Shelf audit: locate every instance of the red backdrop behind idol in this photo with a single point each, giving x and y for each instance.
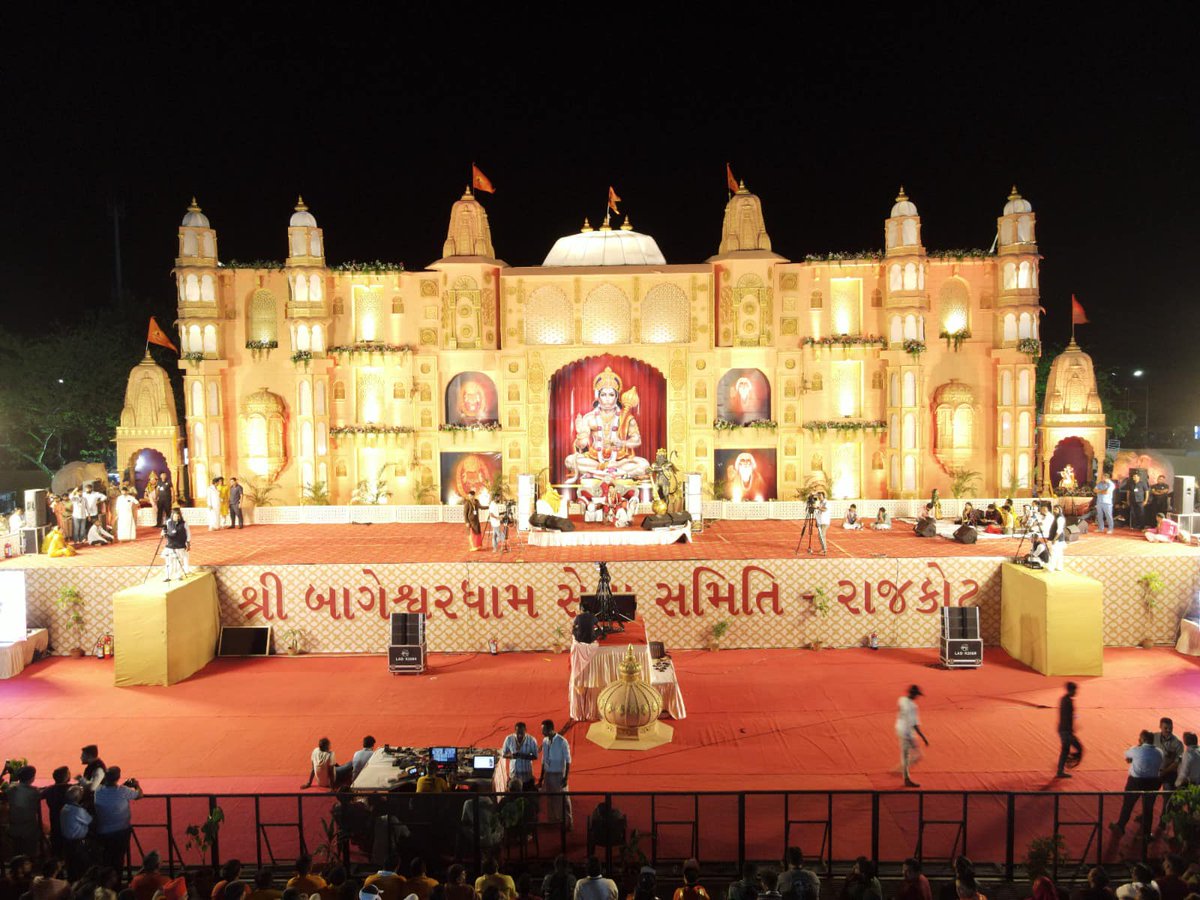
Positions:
(571, 395)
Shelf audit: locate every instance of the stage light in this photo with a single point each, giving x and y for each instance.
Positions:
(1138, 373)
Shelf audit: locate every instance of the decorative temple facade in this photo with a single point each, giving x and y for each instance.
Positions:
(881, 375)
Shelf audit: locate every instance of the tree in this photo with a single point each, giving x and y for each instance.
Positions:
(1120, 418)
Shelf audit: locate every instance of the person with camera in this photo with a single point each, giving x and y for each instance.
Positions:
(821, 520)
(113, 816)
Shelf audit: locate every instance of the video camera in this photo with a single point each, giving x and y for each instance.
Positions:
(810, 504)
(508, 516)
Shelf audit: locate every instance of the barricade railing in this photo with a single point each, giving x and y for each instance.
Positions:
(625, 828)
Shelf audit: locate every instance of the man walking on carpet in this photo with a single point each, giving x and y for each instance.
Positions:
(235, 504)
(908, 723)
(1066, 732)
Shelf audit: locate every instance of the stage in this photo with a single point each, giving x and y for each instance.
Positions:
(338, 583)
(757, 720)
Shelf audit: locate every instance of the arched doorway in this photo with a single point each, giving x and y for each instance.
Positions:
(1076, 453)
(572, 394)
(146, 461)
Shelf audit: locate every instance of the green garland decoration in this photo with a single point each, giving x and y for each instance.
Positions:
(875, 426)
(955, 338)
(762, 424)
(477, 426)
(914, 348)
(374, 267)
(1030, 346)
(845, 341)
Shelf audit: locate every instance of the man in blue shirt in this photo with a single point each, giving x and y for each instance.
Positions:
(74, 822)
(345, 774)
(1145, 764)
(113, 816)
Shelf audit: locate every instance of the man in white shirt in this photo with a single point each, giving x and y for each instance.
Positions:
(92, 499)
(495, 523)
(1058, 539)
(821, 520)
(908, 723)
(522, 748)
(1104, 503)
(595, 886)
(556, 769)
(1189, 765)
(1145, 763)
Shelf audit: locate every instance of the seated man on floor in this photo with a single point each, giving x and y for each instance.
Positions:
(1039, 553)
(883, 522)
(970, 515)
(850, 522)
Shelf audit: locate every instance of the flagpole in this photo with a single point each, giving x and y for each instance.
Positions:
(1072, 318)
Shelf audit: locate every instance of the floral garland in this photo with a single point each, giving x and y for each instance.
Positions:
(914, 348)
(844, 256)
(302, 356)
(194, 356)
(846, 340)
(960, 253)
(875, 426)
(1031, 346)
(371, 347)
(955, 337)
(476, 426)
(355, 430)
(252, 264)
(375, 267)
(725, 425)
(261, 345)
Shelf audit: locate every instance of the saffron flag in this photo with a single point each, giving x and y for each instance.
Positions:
(1078, 317)
(613, 200)
(155, 335)
(479, 181)
(730, 180)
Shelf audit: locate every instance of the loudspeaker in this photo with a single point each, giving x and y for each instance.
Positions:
(35, 508)
(1080, 526)
(1185, 495)
(559, 523)
(681, 518)
(32, 537)
(926, 528)
(649, 523)
(408, 628)
(965, 534)
(1074, 533)
(960, 623)
(538, 520)
(408, 659)
(658, 650)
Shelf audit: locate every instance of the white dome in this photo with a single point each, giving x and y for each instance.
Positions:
(1016, 203)
(606, 247)
(194, 218)
(904, 206)
(302, 218)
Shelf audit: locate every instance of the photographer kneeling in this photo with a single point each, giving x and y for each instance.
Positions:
(113, 820)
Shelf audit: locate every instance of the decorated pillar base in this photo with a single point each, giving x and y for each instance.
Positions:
(612, 737)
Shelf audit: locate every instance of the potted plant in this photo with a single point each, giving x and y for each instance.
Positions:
(1152, 585)
(558, 641)
(71, 601)
(1183, 816)
(204, 836)
(291, 638)
(719, 630)
(820, 605)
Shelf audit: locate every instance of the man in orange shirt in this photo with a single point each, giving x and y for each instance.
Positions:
(418, 882)
(304, 881)
(387, 881)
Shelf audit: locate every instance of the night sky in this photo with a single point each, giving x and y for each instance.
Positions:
(376, 123)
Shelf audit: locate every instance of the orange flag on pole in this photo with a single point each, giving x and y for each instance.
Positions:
(479, 181)
(1078, 316)
(613, 200)
(155, 335)
(730, 180)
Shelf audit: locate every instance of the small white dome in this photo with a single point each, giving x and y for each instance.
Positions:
(904, 206)
(1016, 203)
(302, 218)
(606, 247)
(194, 218)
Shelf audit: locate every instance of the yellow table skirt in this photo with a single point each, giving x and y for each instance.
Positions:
(164, 632)
(1052, 621)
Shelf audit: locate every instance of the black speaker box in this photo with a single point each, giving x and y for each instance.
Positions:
(560, 523)
(926, 528)
(35, 508)
(681, 518)
(1075, 532)
(538, 520)
(965, 534)
(408, 628)
(651, 522)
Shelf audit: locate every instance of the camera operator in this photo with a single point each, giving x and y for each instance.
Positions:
(498, 521)
(1039, 552)
(113, 826)
(821, 519)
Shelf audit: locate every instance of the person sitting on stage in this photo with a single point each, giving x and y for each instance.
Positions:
(970, 516)
(991, 520)
(850, 522)
(97, 536)
(1008, 516)
(431, 782)
(323, 766)
(1039, 553)
(925, 517)
(883, 522)
(1164, 532)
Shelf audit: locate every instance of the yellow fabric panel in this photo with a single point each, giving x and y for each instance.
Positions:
(163, 632)
(1052, 621)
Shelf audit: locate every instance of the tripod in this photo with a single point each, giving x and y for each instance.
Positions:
(150, 568)
(610, 618)
(809, 528)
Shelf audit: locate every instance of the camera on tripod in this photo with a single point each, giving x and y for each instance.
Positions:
(508, 516)
(810, 505)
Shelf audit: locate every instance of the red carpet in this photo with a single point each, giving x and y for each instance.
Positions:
(757, 719)
(378, 544)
